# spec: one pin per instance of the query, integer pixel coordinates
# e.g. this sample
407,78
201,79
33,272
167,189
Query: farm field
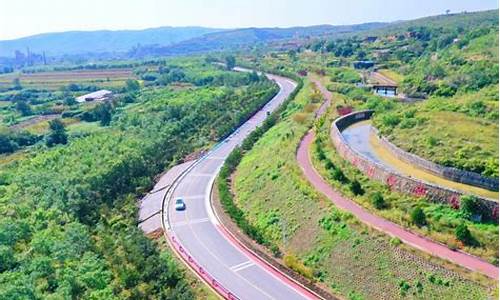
103,78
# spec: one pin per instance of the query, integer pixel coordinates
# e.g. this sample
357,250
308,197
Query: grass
442,219
409,169
391,74
460,132
342,253
449,138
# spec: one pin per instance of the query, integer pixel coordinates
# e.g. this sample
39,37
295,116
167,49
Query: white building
95,96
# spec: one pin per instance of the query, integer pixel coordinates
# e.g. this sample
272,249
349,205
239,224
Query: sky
20,18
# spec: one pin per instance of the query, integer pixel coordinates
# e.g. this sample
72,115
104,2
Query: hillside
80,42
446,22
231,39
165,40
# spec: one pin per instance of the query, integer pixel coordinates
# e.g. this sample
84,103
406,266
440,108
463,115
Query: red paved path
392,229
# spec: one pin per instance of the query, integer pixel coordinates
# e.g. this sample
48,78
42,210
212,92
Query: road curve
424,244
203,243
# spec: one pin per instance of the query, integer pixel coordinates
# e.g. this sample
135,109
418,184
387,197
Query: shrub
329,165
300,117
418,216
395,241
293,263
408,123
468,206
338,175
378,200
356,188
390,120
463,234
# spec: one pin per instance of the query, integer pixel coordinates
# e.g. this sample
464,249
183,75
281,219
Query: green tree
418,216
356,188
16,84
468,206
69,100
378,200
463,234
103,112
24,108
57,133
230,62
6,144
132,85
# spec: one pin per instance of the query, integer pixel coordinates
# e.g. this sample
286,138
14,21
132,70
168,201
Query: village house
100,95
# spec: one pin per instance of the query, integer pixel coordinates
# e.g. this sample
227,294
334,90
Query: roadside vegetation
437,221
460,132
319,241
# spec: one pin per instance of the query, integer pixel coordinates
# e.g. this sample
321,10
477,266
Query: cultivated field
58,79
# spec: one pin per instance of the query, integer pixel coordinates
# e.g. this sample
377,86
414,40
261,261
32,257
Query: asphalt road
200,234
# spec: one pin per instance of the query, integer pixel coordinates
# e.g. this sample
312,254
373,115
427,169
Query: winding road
204,244
419,242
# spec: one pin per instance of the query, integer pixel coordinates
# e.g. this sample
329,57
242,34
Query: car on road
179,204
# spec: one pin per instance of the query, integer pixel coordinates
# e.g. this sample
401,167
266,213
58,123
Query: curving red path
424,244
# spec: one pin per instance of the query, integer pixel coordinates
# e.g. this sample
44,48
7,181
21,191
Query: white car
179,204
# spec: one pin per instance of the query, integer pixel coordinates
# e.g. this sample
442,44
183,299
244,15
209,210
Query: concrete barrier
396,181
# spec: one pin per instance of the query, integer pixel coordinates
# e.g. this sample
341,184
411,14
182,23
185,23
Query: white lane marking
216,157
208,192
209,251
242,266
201,196
200,174
190,222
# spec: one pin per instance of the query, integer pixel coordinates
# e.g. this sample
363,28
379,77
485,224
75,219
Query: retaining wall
396,181
450,173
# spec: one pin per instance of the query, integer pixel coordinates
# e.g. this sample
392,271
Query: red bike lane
422,243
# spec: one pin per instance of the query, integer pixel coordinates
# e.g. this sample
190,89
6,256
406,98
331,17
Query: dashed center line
190,222
193,197
242,266
201,174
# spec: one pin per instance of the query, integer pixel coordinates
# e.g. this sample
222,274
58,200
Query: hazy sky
26,17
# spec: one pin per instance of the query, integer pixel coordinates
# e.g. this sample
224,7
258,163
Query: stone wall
450,173
394,180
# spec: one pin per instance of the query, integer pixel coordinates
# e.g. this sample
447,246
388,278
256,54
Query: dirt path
381,79
33,121
422,243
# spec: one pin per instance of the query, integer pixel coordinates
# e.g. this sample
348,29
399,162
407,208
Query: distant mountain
102,41
230,39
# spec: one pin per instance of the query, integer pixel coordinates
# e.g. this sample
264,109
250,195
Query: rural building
363,64
100,95
370,39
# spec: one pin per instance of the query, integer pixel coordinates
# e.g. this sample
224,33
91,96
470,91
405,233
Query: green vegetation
57,133
445,130
69,212
418,216
440,220
314,236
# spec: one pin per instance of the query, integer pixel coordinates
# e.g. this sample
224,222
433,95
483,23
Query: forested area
68,226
